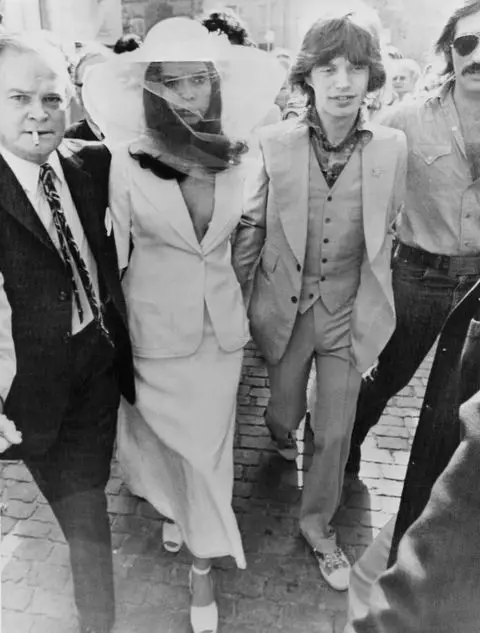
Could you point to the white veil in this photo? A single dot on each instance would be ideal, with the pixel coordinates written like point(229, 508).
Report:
point(185, 95)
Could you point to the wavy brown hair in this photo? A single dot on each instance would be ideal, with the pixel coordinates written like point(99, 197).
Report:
point(327, 39)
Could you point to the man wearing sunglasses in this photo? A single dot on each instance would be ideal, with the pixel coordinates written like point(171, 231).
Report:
point(436, 260)
point(432, 547)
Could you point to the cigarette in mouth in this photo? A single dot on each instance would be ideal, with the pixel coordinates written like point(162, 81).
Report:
point(36, 142)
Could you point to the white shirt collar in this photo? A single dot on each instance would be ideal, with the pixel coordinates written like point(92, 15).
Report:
point(27, 173)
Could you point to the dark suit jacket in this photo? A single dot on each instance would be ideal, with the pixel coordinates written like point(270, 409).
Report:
point(81, 130)
point(434, 584)
point(39, 292)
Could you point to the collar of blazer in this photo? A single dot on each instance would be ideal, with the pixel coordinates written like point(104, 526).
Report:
point(170, 204)
point(14, 200)
point(286, 150)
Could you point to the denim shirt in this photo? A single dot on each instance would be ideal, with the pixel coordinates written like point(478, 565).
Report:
point(442, 207)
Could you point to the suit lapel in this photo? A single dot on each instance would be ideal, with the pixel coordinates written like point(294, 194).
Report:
point(378, 174)
point(290, 186)
point(171, 205)
point(86, 203)
point(228, 196)
point(15, 201)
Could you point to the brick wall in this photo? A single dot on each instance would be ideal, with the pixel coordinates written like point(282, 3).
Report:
point(253, 391)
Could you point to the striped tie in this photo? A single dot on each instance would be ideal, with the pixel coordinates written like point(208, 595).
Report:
point(70, 251)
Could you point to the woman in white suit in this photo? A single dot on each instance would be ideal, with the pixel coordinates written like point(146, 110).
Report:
point(175, 197)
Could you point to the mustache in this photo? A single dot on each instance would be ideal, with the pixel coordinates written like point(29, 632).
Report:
point(471, 68)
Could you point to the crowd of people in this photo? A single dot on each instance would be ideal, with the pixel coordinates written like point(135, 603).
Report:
point(324, 204)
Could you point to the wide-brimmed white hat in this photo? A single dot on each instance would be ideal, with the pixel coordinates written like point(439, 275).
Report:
point(250, 79)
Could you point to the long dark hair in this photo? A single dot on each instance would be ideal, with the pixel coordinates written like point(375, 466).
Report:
point(337, 37)
point(443, 45)
point(205, 140)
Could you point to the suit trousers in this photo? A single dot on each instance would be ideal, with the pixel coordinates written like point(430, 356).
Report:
point(323, 337)
point(73, 473)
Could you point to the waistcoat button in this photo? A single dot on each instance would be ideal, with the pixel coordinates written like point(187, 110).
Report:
point(329, 198)
point(63, 295)
point(294, 299)
point(299, 268)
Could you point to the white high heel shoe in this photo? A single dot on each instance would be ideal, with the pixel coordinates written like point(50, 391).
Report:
point(203, 619)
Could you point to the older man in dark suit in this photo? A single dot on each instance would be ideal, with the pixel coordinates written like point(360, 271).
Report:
point(63, 314)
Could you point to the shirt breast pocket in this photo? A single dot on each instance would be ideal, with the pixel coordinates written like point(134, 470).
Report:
point(429, 154)
point(432, 164)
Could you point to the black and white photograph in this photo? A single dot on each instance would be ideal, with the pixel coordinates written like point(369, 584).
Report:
point(239, 316)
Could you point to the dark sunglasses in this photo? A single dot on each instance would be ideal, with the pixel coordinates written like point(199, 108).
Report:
point(465, 44)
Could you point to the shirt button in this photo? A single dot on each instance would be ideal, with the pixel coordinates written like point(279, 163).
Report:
point(66, 338)
point(327, 220)
point(311, 295)
point(294, 300)
point(62, 295)
point(324, 260)
point(468, 215)
point(323, 278)
point(299, 268)
point(329, 198)
point(326, 240)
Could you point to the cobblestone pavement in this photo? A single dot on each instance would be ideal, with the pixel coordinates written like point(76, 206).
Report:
point(281, 590)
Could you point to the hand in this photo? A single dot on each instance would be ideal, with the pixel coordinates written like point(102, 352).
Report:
point(8, 433)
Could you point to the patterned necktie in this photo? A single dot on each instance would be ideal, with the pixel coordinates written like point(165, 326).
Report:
point(70, 251)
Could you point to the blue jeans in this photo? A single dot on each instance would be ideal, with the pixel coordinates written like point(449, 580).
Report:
point(423, 299)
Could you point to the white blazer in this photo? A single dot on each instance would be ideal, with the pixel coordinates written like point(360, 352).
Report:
point(171, 278)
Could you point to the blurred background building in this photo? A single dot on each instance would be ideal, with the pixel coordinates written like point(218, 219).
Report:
point(410, 25)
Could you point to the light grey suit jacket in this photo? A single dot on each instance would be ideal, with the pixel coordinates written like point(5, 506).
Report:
point(269, 248)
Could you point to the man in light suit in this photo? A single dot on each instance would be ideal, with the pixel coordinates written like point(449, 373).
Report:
point(313, 255)
point(65, 348)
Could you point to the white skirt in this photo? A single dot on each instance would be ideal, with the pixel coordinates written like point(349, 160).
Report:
point(175, 445)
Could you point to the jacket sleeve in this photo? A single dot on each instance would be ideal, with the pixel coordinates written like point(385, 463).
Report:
point(433, 586)
point(8, 364)
point(250, 234)
point(120, 206)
